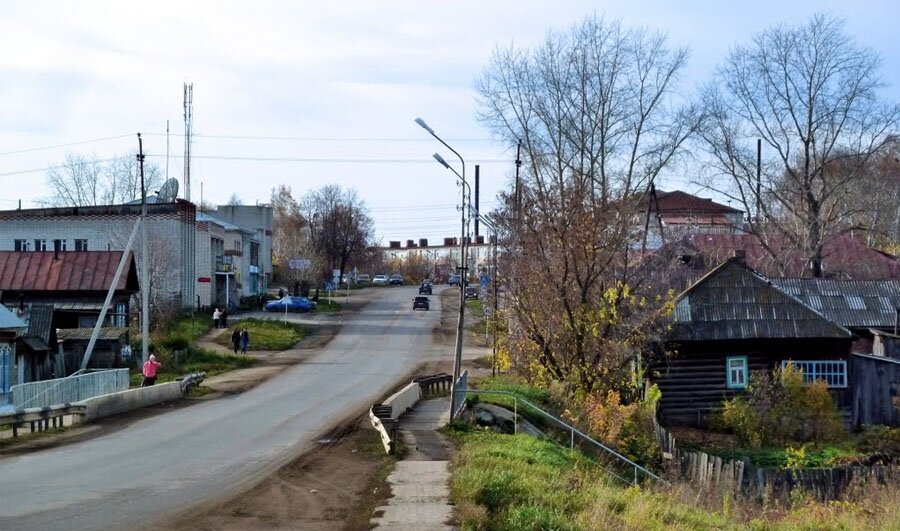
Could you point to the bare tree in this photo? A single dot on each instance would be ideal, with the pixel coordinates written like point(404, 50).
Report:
point(290, 233)
point(234, 200)
point(598, 120)
point(89, 181)
point(810, 93)
point(341, 227)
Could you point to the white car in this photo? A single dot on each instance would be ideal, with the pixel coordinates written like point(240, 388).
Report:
point(360, 279)
point(380, 280)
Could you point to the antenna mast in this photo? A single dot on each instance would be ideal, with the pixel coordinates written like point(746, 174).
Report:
point(188, 126)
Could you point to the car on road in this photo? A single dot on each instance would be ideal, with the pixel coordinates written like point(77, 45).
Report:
point(363, 279)
point(454, 280)
point(421, 302)
point(471, 292)
point(396, 280)
point(380, 280)
point(291, 304)
point(425, 288)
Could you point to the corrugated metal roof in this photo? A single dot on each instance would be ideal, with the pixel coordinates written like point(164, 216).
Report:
point(678, 201)
point(65, 271)
point(734, 302)
point(203, 216)
point(849, 303)
point(80, 306)
point(106, 333)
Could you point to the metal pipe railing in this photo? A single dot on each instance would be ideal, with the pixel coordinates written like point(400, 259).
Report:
point(572, 432)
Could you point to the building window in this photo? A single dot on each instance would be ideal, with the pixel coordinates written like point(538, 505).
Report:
point(736, 372)
point(20, 245)
point(81, 245)
point(254, 254)
point(60, 245)
point(833, 372)
point(237, 245)
point(40, 245)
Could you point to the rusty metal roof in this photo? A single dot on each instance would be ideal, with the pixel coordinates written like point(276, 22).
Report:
point(678, 201)
point(850, 303)
point(734, 302)
point(65, 271)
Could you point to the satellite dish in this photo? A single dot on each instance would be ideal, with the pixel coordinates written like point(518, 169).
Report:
point(169, 191)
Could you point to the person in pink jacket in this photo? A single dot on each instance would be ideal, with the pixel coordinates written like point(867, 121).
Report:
point(149, 371)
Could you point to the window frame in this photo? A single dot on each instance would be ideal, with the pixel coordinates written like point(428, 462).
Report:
point(810, 376)
point(40, 245)
point(729, 381)
point(81, 244)
point(21, 245)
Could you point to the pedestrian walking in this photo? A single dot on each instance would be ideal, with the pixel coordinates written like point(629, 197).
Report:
point(217, 315)
point(280, 293)
point(245, 340)
point(236, 339)
point(224, 318)
point(262, 301)
point(149, 371)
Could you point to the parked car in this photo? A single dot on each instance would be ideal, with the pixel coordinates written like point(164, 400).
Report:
point(363, 279)
point(293, 304)
point(471, 292)
point(454, 280)
point(380, 280)
point(396, 280)
point(421, 302)
point(425, 288)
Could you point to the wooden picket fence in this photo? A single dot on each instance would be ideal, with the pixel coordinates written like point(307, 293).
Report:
point(741, 478)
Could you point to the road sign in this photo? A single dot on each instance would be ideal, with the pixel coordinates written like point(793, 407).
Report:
point(329, 286)
point(299, 263)
point(488, 310)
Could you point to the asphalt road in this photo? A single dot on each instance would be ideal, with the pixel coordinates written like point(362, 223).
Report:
point(165, 464)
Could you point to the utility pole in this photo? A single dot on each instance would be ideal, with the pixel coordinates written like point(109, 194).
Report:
point(477, 209)
point(518, 196)
point(145, 262)
point(188, 127)
point(758, 177)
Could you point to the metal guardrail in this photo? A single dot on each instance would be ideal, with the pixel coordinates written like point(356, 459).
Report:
point(72, 388)
point(41, 417)
point(561, 424)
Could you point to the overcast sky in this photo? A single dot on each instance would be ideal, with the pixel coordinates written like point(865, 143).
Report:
point(332, 86)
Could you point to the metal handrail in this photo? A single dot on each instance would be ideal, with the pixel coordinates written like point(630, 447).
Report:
point(516, 398)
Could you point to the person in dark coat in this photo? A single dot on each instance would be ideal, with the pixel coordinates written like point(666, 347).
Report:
point(236, 339)
point(224, 318)
point(245, 340)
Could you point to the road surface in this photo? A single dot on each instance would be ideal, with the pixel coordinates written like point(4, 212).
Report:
point(168, 463)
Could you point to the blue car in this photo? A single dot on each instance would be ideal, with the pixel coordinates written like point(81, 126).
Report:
point(292, 304)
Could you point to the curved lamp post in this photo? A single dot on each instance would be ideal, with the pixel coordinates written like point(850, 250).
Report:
point(457, 360)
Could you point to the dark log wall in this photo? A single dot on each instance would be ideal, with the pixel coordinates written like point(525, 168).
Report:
point(692, 375)
point(876, 391)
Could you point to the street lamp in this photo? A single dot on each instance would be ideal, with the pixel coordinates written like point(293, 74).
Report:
point(457, 360)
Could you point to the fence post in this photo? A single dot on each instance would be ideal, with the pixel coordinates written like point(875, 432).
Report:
point(515, 415)
point(572, 439)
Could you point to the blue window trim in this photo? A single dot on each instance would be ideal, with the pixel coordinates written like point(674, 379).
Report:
point(728, 382)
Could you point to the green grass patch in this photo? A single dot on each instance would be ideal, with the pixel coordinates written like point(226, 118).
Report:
point(326, 306)
point(824, 456)
point(267, 334)
point(512, 482)
point(505, 482)
point(193, 359)
point(191, 326)
point(475, 306)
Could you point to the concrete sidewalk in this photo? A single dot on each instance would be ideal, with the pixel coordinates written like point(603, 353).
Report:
point(420, 482)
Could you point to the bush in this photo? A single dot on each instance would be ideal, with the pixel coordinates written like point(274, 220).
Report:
point(627, 427)
point(880, 440)
point(175, 342)
point(782, 408)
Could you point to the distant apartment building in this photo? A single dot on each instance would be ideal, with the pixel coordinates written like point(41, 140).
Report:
point(261, 220)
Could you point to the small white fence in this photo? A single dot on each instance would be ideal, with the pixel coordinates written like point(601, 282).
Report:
point(73, 388)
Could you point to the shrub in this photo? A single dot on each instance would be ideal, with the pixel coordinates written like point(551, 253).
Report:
point(783, 408)
point(880, 440)
point(627, 427)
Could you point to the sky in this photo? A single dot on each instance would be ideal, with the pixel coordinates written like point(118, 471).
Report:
point(308, 94)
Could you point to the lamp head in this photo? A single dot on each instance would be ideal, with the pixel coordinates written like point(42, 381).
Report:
point(440, 159)
point(424, 126)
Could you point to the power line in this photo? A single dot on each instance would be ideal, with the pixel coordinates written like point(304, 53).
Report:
point(423, 160)
point(323, 138)
point(78, 143)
